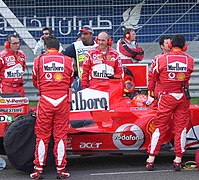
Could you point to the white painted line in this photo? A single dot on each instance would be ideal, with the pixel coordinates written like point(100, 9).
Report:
point(132, 172)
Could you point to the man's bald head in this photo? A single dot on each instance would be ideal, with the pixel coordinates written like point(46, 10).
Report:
point(104, 40)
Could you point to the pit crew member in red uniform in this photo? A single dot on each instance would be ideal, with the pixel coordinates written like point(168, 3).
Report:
point(153, 88)
point(101, 62)
point(173, 70)
point(12, 66)
point(128, 49)
point(52, 76)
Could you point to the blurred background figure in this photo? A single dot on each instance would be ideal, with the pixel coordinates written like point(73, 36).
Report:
point(128, 49)
point(153, 88)
point(39, 47)
point(78, 50)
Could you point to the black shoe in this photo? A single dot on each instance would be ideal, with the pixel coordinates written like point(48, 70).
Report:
point(37, 174)
point(150, 166)
point(177, 166)
point(62, 174)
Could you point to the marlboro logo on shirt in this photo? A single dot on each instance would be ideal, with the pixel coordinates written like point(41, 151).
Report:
point(177, 63)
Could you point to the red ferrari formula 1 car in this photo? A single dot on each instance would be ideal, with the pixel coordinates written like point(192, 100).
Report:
point(110, 117)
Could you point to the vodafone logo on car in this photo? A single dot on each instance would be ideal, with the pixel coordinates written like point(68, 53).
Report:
point(128, 137)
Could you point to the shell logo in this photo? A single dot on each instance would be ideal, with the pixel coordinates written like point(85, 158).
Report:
point(181, 76)
point(128, 137)
point(2, 101)
point(58, 76)
point(150, 126)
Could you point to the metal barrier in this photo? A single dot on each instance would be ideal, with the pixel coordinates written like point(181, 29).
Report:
point(32, 92)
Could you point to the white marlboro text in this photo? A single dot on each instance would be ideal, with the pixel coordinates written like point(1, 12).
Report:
point(89, 100)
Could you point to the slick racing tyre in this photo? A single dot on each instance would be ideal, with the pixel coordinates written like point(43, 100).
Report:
point(19, 142)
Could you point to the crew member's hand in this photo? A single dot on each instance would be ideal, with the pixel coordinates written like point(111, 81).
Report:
point(42, 38)
point(149, 101)
point(117, 76)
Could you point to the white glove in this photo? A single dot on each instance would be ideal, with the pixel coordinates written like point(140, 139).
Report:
point(149, 101)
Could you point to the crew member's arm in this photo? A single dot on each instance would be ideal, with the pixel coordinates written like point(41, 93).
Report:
point(118, 71)
point(70, 51)
point(1, 63)
point(34, 73)
point(153, 76)
point(118, 45)
point(140, 54)
point(71, 71)
point(190, 70)
point(23, 57)
point(86, 69)
point(24, 64)
point(60, 47)
point(136, 53)
point(38, 48)
point(71, 75)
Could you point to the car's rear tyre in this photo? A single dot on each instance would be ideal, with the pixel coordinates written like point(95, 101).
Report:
point(19, 143)
point(2, 150)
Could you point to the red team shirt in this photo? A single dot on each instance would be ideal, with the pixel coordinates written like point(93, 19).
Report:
point(98, 65)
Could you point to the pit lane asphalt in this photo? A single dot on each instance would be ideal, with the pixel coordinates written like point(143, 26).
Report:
point(111, 167)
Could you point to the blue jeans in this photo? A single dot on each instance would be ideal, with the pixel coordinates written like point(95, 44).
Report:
point(77, 84)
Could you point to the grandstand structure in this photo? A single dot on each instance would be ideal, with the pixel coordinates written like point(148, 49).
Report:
point(150, 18)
